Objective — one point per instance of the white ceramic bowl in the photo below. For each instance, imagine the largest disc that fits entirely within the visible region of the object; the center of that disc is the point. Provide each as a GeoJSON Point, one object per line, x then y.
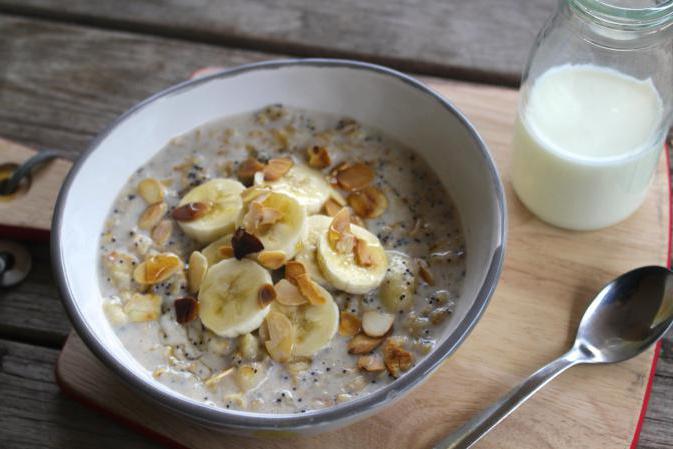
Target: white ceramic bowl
{"type": "Point", "coordinates": [379, 97]}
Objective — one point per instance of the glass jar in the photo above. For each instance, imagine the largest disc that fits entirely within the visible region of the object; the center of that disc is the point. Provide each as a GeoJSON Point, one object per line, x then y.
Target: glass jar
{"type": "Point", "coordinates": [594, 111]}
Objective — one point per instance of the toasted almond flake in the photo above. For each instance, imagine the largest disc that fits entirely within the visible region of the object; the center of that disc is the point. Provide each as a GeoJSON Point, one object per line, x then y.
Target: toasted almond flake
{"type": "Point", "coordinates": [349, 324]}
{"type": "Point", "coordinates": [252, 193]}
{"type": "Point", "coordinates": [332, 207]}
{"type": "Point", "coordinates": [226, 251]}
{"type": "Point", "coordinates": [424, 271]}
{"type": "Point", "coordinates": [281, 337]}
{"type": "Point", "coordinates": [157, 268]}
{"type": "Point", "coordinates": [248, 346]}
{"type": "Point", "coordinates": [372, 363]}
{"type": "Point", "coordinates": [370, 202]}
{"type": "Point", "coordinates": [309, 290]}
{"type": "Point", "coordinates": [263, 332]}
{"type": "Point", "coordinates": [265, 295]}
{"type": "Point", "coordinates": [272, 260]}
{"type": "Point", "coordinates": [152, 215]}
{"type": "Point", "coordinates": [288, 294]}
{"type": "Point", "coordinates": [249, 376]}
{"type": "Point", "coordinates": [363, 255]}
{"type": "Point", "coordinates": [142, 307]}
{"type": "Point", "coordinates": [245, 243]}
{"type": "Point", "coordinates": [186, 309]}
{"type": "Point", "coordinates": [247, 169]}
{"type": "Point", "coordinates": [259, 219]}
{"type": "Point", "coordinates": [339, 233]}
{"type": "Point", "coordinates": [355, 177]}
{"type": "Point", "coordinates": [377, 324]}
{"type": "Point", "coordinates": [198, 265]}
{"type": "Point", "coordinates": [363, 344]}
{"type": "Point", "coordinates": [281, 138]}
{"type": "Point", "coordinates": [396, 358]}
{"type": "Point", "coordinates": [216, 378]}
{"type": "Point", "coordinates": [191, 211]}
{"type": "Point", "coordinates": [318, 157]}
{"type": "Point", "coordinates": [162, 232]}
{"type": "Point", "coordinates": [293, 269]}
{"type": "Point", "coordinates": [276, 168]}
{"type": "Point", "coordinates": [151, 190]}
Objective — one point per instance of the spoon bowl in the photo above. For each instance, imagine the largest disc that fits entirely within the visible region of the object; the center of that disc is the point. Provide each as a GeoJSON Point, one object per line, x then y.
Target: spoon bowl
{"type": "Point", "coordinates": [624, 319]}
{"type": "Point", "coordinates": [627, 316]}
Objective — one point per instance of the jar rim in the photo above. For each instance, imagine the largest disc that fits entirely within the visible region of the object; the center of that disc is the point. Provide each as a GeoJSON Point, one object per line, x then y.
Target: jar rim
{"type": "Point", "coordinates": [626, 17]}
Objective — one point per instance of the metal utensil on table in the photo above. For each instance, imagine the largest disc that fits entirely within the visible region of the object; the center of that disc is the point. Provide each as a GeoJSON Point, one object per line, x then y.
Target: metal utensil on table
{"type": "Point", "coordinates": [626, 317]}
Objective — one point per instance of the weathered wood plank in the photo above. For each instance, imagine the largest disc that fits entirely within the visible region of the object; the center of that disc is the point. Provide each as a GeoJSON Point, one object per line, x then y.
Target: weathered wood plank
{"type": "Point", "coordinates": [35, 414]}
{"type": "Point", "coordinates": [475, 40]}
{"type": "Point", "coordinates": [60, 85]}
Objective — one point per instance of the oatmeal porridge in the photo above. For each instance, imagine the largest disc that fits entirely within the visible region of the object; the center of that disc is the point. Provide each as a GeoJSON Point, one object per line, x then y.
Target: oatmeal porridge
{"type": "Point", "coordinates": [281, 261]}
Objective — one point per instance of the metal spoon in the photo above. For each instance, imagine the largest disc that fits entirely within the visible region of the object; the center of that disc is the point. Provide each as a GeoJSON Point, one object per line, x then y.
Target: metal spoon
{"type": "Point", "coordinates": [625, 318]}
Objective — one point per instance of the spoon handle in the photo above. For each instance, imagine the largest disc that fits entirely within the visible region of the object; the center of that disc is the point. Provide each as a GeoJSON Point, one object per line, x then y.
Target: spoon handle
{"type": "Point", "coordinates": [470, 432]}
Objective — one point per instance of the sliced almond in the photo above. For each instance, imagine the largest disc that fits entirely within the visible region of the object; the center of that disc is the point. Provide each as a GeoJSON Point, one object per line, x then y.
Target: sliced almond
{"type": "Point", "coordinates": [363, 344]}
{"type": "Point", "coordinates": [245, 243]}
{"type": "Point", "coordinates": [265, 295]}
{"type": "Point", "coordinates": [276, 168]}
{"type": "Point", "coordinates": [339, 233]}
{"type": "Point", "coordinates": [152, 215]}
{"type": "Point", "coordinates": [281, 337]}
{"type": "Point", "coordinates": [157, 268]}
{"type": "Point", "coordinates": [396, 358]}
{"type": "Point", "coordinates": [349, 324]}
{"type": "Point", "coordinates": [318, 157]}
{"type": "Point", "coordinates": [247, 169]}
{"type": "Point", "coordinates": [151, 190]}
{"type": "Point", "coordinates": [372, 363]}
{"type": "Point", "coordinates": [363, 255]}
{"type": "Point", "coordinates": [355, 176]}
{"type": "Point", "coordinates": [293, 269]}
{"type": "Point", "coordinates": [186, 309]}
{"type": "Point", "coordinates": [424, 272]}
{"type": "Point", "coordinates": [272, 260]}
{"type": "Point", "coordinates": [309, 290]}
{"type": "Point", "coordinates": [377, 324]}
{"type": "Point", "coordinates": [332, 207]}
{"type": "Point", "coordinates": [370, 202]}
{"type": "Point", "coordinates": [226, 251]}
{"type": "Point", "coordinates": [143, 307]}
{"type": "Point", "coordinates": [198, 265]}
{"type": "Point", "coordinates": [258, 219]}
{"type": "Point", "coordinates": [252, 193]}
{"type": "Point", "coordinates": [216, 378]}
{"type": "Point", "coordinates": [162, 232]}
{"type": "Point", "coordinates": [190, 211]}
{"type": "Point", "coordinates": [288, 294]}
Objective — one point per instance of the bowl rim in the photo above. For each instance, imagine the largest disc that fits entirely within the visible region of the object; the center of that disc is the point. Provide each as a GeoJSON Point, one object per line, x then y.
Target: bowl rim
{"type": "Point", "coordinates": [235, 419]}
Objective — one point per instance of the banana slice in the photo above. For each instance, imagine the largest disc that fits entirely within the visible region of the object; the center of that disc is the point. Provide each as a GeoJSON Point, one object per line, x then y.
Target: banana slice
{"type": "Point", "coordinates": [306, 185]}
{"type": "Point", "coordinates": [288, 228]}
{"type": "Point", "coordinates": [314, 325]}
{"type": "Point", "coordinates": [223, 196]}
{"type": "Point", "coordinates": [341, 268]}
{"type": "Point", "coordinates": [399, 285]}
{"type": "Point", "coordinates": [228, 303]}
{"type": "Point", "coordinates": [317, 225]}
{"type": "Point", "coordinates": [212, 251]}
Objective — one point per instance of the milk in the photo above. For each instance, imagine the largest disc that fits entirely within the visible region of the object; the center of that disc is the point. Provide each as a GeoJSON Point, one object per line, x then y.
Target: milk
{"type": "Point", "coordinates": [586, 146]}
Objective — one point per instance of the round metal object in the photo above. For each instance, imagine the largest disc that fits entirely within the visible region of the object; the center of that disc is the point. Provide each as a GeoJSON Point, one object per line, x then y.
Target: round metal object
{"type": "Point", "coordinates": [15, 263]}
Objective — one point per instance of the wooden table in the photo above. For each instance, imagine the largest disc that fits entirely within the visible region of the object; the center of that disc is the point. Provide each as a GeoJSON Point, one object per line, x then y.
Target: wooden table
{"type": "Point", "coordinates": [66, 71]}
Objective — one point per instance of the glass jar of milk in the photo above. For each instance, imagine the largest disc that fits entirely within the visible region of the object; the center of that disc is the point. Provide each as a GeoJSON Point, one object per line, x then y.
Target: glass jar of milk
{"type": "Point", "coordinates": [594, 111]}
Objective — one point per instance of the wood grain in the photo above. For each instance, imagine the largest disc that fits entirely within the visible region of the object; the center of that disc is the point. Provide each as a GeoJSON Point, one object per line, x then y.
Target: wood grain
{"type": "Point", "coordinates": [60, 85]}
{"type": "Point", "coordinates": [35, 414]}
{"type": "Point", "coordinates": [549, 276]}
{"type": "Point", "coordinates": [478, 40]}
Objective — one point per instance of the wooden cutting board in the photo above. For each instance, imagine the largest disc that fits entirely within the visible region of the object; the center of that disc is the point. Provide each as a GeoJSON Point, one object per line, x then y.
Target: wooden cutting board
{"type": "Point", "coordinates": [548, 278]}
